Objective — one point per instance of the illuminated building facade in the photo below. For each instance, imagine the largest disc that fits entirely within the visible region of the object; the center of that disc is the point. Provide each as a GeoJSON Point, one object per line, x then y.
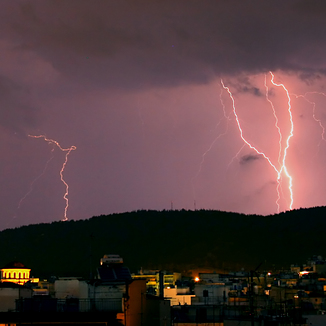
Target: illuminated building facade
{"type": "Point", "coordinates": [152, 280]}
{"type": "Point", "coordinates": [16, 272]}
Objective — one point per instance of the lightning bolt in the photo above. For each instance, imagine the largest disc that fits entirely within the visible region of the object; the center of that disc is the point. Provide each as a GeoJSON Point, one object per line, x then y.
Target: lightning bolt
{"type": "Point", "coordinates": [279, 159]}
{"type": "Point", "coordinates": [240, 129]}
{"type": "Point", "coordinates": [237, 155]}
{"type": "Point", "coordinates": [314, 110]}
{"type": "Point", "coordinates": [276, 120]}
{"type": "Point", "coordinates": [281, 169]}
{"type": "Point", "coordinates": [31, 187]}
{"type": "Point", "coordinates": [284, 167]}
{"type": "Point", "coordinates": [227, 118]}
{"type": "Point", "coordinates": [68, 151]}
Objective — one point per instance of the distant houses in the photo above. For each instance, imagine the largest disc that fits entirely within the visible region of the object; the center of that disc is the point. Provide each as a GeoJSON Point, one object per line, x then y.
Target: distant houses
{"type": "Point", "coordinates": [161, 298]}
{"type": "Point", "coordinates": [113, 298]}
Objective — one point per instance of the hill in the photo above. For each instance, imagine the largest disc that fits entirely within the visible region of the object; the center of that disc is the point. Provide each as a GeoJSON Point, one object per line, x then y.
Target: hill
{"type": "Point", "coordinates": [174, 240]}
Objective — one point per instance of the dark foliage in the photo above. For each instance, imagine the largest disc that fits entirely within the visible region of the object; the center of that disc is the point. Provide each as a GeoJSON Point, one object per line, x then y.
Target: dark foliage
{"type": "Point", "coordinates": [173, 240]}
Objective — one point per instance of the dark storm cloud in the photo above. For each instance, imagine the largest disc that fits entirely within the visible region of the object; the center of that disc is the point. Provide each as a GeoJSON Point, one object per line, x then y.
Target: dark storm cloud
{"type": "Point", "coordinates": [245, 159]}
{"type": "Point", "coordinates": [252, 90]}
{"type": "Point", "coordinates": [242, 84]}
{"type": "Point", "coordinates": [316, 7]}
{"type": "Point", "coordinates": [145, 43]}
{"type": "Point", "coordinates": [309, 77]}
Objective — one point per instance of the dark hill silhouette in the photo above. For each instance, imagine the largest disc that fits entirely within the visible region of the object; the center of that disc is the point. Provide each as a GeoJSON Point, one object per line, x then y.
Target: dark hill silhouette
{"type": "Point", "coordinates": [174, 240]}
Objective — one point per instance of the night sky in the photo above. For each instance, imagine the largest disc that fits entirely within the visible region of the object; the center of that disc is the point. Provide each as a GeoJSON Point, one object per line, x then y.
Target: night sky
{"type": "Point", "coordinates": [137, 87]}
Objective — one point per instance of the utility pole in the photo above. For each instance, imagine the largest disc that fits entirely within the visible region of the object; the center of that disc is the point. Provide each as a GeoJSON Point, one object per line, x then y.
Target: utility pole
{"type": "Point", "coordinates": [90, 257]}
{"type": "Point", "coordinates": [251, 298]}
{"type": "Point", "coordinates": [251, 293]}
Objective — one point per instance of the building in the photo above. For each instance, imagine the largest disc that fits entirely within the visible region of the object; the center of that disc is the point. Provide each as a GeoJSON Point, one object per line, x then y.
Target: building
{"type": "Point", "coordinates": [9, 293]}
{"type": "Point", "coordinates": [112, 269]}
{"type": "Point", "coordinates": [178, 296]}
{"type": "Point", "coordinates": [152, 278]}
{"type": "Point", "coordinates": [142, 309]}
{"type": "Point", "coordinates": [16, 272]}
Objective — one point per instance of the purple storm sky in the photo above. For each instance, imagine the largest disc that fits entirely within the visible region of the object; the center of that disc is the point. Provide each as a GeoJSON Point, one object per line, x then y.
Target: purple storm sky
{"type": "Point", "coordinates": [136, 87]}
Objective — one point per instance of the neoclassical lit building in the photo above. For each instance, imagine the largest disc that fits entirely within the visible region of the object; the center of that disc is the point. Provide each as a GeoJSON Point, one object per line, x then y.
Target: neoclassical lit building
{"type": "Point", "coordinates": [16, 272]}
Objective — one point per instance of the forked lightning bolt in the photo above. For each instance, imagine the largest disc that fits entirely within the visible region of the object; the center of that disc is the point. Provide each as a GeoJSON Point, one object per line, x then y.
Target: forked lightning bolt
{"type": "Point", "coordinates": [279, 159]}
{"type": "Point", "coordinates": [280, 167]}
{"type": "Point", "coordinates": [283, 166]}
{"type": "Point", "coordinates": [67, 150]}
{"type": "Point", "coordinates": [285, 134]}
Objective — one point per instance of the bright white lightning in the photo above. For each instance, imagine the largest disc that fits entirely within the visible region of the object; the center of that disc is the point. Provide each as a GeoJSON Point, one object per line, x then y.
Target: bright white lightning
{"type": "Point", "coordinates": [282, 169]}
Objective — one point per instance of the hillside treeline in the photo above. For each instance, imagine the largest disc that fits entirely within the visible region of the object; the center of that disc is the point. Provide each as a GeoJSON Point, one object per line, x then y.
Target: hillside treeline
{"type": "Point", "coordinates": [171, 240]}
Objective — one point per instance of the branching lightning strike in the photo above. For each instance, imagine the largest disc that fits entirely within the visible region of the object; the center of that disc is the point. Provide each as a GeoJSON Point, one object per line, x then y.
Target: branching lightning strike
{"type": "Point", "coordinates": [67, 150]}
{"type": "Point", "coordinates": [284, 167]}
{"type": "Point", "coordinates": [285, 134]}
{"type": "Point", "coordinates": [280, 168]}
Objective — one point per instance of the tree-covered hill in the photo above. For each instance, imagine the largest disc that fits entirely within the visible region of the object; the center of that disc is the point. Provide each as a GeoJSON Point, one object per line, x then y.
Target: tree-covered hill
{"type": "Point", "coordinates": [174, 240]}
